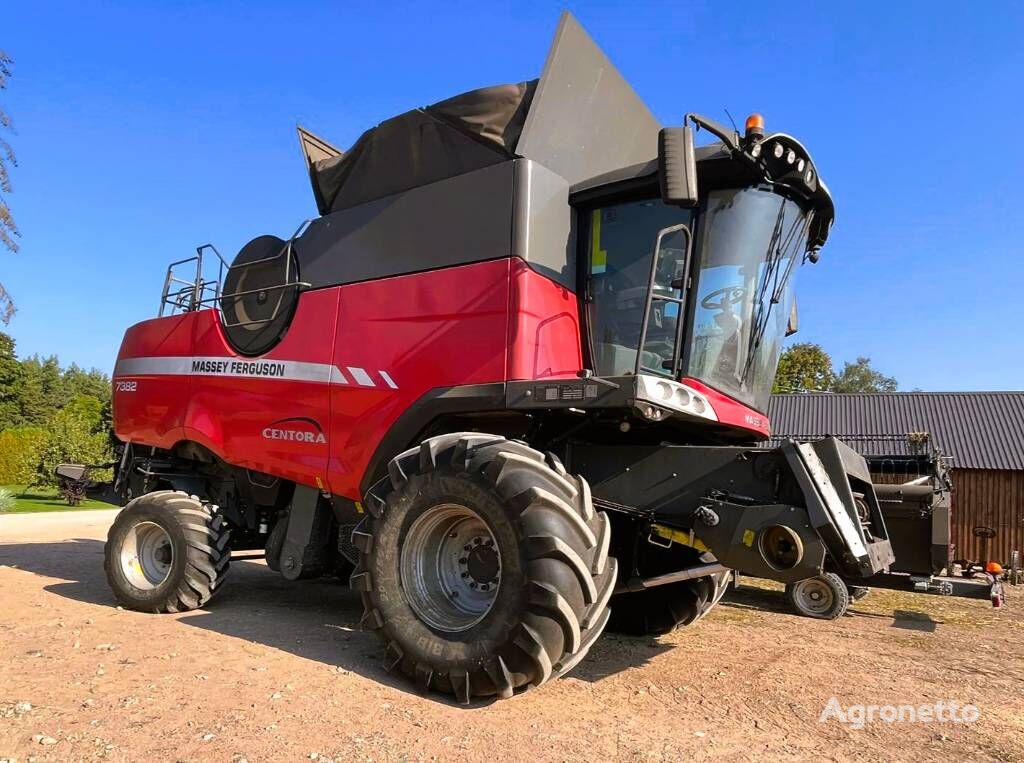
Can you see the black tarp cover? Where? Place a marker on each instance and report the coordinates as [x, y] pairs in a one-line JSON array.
[[457, 135]]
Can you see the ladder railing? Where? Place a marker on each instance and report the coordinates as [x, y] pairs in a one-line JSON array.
[[183, 295]]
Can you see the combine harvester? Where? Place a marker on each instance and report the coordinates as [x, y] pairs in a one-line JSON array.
[[511, 378]]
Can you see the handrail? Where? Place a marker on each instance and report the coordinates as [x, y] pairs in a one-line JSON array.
[[199, 291]]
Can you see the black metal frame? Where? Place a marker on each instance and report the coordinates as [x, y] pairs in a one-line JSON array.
[[727, 496], [196, 290]]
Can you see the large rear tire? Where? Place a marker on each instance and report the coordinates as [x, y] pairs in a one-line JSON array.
[[166, 552], [483, 566]]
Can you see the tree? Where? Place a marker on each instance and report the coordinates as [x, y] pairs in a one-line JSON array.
[[43, 390], [10, 384], [859, 376], [8, 229], [75, 434], [804, 367]]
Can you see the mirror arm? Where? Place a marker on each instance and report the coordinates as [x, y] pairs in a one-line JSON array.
[[728, 136]]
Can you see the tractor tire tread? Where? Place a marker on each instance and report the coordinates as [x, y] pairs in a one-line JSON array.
[[206, 544], [559, 530]]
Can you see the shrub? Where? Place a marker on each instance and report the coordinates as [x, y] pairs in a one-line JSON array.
[[20, 449], [6, 500]]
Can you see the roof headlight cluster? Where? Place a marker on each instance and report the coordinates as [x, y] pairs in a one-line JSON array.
[[780, 156]]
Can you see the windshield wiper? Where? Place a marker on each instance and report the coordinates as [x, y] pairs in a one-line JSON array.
[[775, 277]]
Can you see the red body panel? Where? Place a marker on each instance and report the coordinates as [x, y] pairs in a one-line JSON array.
[[229, 415], [152, 410], [354, 359], [437, 329], [732, 412], [544, 327]]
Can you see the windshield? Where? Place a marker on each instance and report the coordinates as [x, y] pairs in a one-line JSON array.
[[622, 240], [749, 244]]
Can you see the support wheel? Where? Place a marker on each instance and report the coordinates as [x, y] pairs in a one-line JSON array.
[[166, 552], [824, 597], [483, 566]]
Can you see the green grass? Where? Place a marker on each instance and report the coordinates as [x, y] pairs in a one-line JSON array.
[[43, 499]]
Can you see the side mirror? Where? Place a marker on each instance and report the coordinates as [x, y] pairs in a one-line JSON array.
[[677, 166]]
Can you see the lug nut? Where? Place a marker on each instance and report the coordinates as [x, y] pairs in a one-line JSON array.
[[476, 541], [485, 587], [488, 542], [463, 560], [467, 547], [465, 574], [473, 586]]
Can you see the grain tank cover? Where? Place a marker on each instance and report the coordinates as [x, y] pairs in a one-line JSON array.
[[580, 119], [585, 118]]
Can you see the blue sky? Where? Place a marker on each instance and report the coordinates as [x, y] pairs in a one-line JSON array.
[[146, 129]]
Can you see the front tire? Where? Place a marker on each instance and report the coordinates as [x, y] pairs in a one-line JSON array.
[[166, 552], [663, 609], [483, 566]]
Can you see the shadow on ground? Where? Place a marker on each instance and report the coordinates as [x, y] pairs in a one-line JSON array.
[[914, 621], [313, 619], [767, 600], [760, 599]]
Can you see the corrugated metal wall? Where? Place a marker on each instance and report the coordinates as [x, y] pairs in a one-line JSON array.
[[980, 430], [990, 498]]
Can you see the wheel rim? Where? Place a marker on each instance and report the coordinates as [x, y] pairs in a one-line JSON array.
[[147, 555], [814, 596], [450, 568]]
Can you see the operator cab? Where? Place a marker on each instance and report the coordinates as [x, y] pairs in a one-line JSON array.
[[699, 292]]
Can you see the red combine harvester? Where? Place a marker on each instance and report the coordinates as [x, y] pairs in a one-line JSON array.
[[510, 382]]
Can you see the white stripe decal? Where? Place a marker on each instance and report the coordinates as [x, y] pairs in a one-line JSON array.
[[388, 380], [361, 376], [289, 370]]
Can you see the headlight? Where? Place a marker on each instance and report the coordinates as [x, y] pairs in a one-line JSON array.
[[654, 395]]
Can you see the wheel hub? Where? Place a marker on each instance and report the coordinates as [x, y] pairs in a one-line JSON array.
[[814, 595], [146, 555], [481, 562], [450, 568]]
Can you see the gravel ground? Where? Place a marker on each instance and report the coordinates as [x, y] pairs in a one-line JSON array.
[[278, 672]]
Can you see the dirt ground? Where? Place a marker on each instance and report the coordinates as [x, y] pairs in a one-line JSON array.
[[278, 671]]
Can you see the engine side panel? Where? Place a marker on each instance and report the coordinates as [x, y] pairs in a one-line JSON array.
[[408, 335], [354, 359], [272, 413]]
